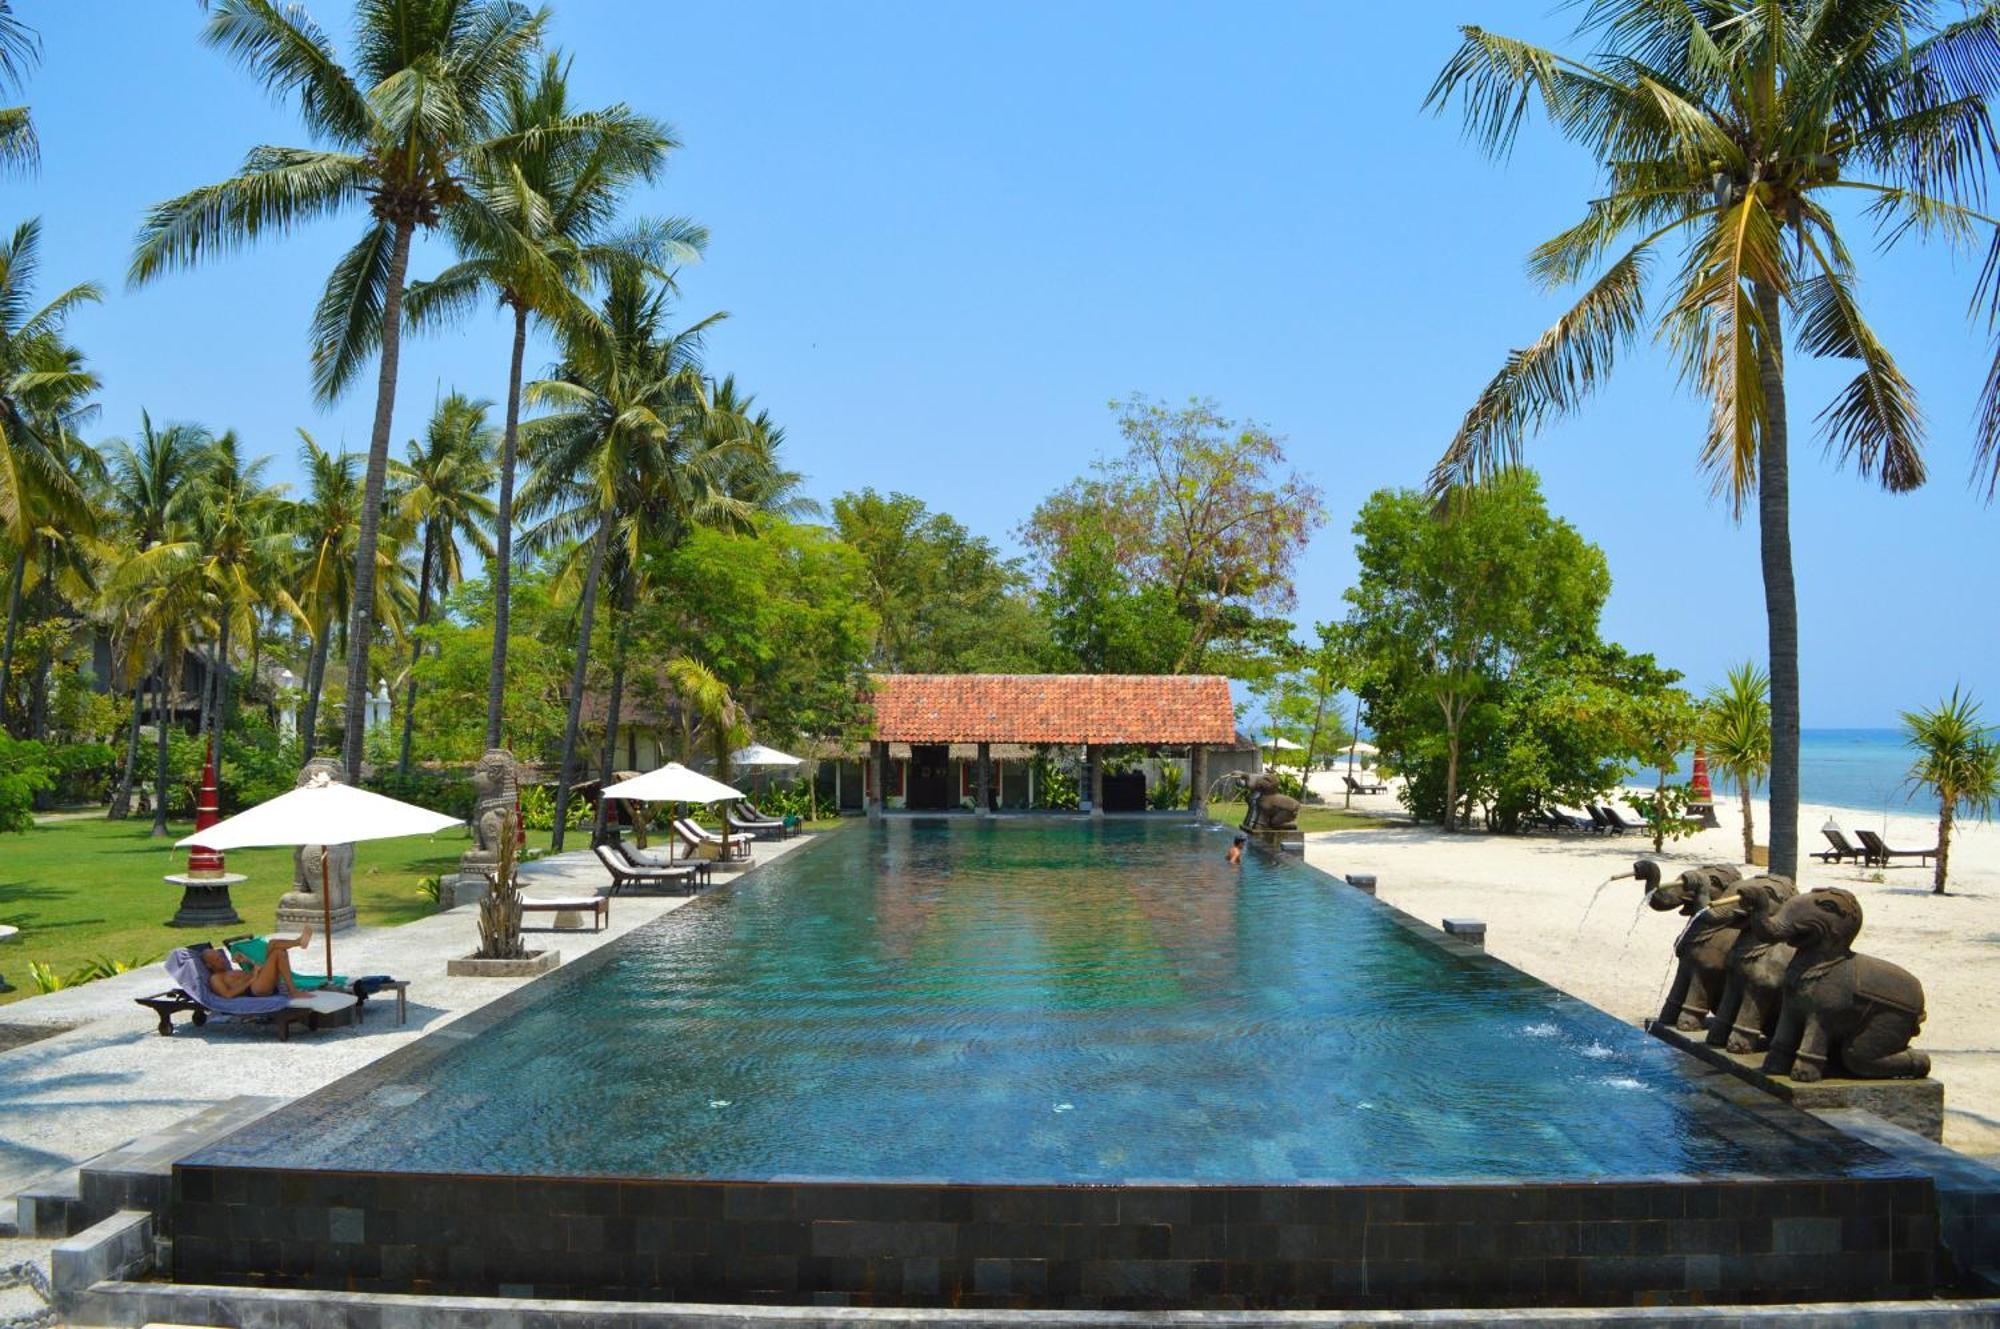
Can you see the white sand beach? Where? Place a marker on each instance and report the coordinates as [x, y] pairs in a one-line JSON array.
[[1535, 894]]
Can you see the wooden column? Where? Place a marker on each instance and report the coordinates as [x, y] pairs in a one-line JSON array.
[[985, 783], [878, 790], [1094, 765], [1198, 781]]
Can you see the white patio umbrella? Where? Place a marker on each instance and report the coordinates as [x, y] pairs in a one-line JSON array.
[[758, 755], [672, 783], [323, 813]]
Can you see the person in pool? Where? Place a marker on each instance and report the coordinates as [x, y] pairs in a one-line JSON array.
[[267, 979], [1236, 850]]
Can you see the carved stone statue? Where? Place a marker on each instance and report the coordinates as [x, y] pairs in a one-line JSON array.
[[1754, 991], [1845, 1011], [314, 864], [1268, 809], [1704, 944], [496, 794]]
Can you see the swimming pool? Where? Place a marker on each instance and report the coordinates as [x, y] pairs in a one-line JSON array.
[[960, 1003]]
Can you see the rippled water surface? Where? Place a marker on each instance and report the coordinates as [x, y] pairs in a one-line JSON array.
[[1034, 1001]]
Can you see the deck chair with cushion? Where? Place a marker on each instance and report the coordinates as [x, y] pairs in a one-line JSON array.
[[625, 871], [1355, 786], [707, 844], [1601, 820], [1879, 853], [1619, 823], [751, 813], [745, 820], [194, 997], [1842, 849]]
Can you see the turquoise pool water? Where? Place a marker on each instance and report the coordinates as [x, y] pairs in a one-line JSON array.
[[1027, 1001]]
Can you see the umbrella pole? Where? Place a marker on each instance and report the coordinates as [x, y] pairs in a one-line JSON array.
[[326, 906]]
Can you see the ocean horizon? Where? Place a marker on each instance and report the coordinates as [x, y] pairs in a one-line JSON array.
[[1866, 770]]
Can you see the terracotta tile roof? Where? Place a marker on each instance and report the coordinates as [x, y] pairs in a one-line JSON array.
[[1054, 708]]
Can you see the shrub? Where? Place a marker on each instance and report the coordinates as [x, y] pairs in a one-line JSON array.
[[1169, 791], [1055, 787], [81, 772], [450, 794], [24, 772], [538, 809]]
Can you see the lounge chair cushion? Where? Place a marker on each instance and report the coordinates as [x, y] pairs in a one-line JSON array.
[[187, 971]]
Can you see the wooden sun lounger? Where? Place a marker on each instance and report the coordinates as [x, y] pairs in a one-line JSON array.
[[708, 844], [624, 872], [597, 906], [1879, 853], [1364, 787], [1618, 823], [1842, 850]]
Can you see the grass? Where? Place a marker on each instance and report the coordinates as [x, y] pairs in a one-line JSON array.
[[1312, 818], [86, 889]]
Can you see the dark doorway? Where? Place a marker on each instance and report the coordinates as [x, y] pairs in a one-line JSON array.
[[1125, 792], [930, 779]]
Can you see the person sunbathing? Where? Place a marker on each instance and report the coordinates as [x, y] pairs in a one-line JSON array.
[[267, 979]]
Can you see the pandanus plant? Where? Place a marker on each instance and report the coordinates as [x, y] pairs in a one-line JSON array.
[[500, 911]]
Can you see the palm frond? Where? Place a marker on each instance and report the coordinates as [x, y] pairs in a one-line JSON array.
[[347, 324], [277, 190], [1874, 420]]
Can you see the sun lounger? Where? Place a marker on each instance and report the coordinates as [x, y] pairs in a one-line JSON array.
[[755, 816], [1602, 820], [754, 829], [1879, 853], [249, 950], [1364, 787], [626, 872], [707, 844], [597, 906], [196, 998], [1842, 850], [1619, 824]]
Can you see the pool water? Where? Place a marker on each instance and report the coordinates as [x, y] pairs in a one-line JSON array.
[[1037, 1001]]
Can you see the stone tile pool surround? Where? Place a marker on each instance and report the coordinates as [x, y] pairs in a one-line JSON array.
[[1792, 1210]]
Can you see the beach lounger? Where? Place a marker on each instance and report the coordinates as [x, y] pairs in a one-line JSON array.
[[707, 844], [1842, 850], [1618, 823], [755, 815], [625, 871], [1602, 820], [753, 829], [1879, 853], [194, 997], [1364, 787]]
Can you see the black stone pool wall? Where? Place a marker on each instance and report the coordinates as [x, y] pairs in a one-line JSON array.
[[1134, 1246]]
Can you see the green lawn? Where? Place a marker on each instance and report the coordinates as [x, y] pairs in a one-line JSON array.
[[1312, 818], [84, 889]]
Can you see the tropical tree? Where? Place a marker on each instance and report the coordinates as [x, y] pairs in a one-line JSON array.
[[1958, 760], [20, 51], [1736, 731], [709, 712], [629, 394], [43, 389], [1730, 130], [407, 125], [442, 492], [147, 496], [534, 231], [325, 524]]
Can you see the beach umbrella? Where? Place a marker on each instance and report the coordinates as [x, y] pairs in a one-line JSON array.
[[672, 783], [1285, 745], [321, 812], [757, 757]]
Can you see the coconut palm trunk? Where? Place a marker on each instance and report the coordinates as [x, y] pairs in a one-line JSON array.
[[1946, 810], [315, 684], [121, 797], [620, 643], [14, 581], [361, 615], [416, 649], [220, 720], [1749, 817], [1781, 601], [503, 539], [586, 614], [162, 718]]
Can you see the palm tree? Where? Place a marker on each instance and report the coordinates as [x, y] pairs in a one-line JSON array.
[[42, 386], [534, 233], [64, 558], [150, 482], [1736, 730], [20, 51], [1958, 759], [1731, 129], [443, 493], [708, 710], [409, 124], [325, 523], [628, 395]]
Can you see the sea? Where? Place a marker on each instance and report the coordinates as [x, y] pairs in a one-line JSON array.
[[1866, 770]]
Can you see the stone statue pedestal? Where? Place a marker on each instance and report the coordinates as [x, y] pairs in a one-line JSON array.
[[297, 908], [302, 904], [1915, 1105], [1292, 841], [205, 901]]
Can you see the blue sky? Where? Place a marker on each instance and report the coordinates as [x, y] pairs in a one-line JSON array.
[[948, 234]]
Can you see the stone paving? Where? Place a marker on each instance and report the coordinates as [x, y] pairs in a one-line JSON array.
[[102, 1075]]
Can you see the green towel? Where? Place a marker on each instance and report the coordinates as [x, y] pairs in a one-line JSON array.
[[255, 950]]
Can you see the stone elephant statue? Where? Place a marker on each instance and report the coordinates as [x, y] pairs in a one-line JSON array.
[[1704, 944], [1854, 1011], [1268, 809], [1754, 991]]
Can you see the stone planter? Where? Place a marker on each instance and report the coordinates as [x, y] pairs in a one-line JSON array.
[[535, 962]]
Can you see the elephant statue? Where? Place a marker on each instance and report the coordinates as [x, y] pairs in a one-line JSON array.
[[1754, 991], [1268, 809], [1854, 1011], [1704, 944]]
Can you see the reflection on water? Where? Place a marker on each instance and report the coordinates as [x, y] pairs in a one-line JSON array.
[[1038, 1001]]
